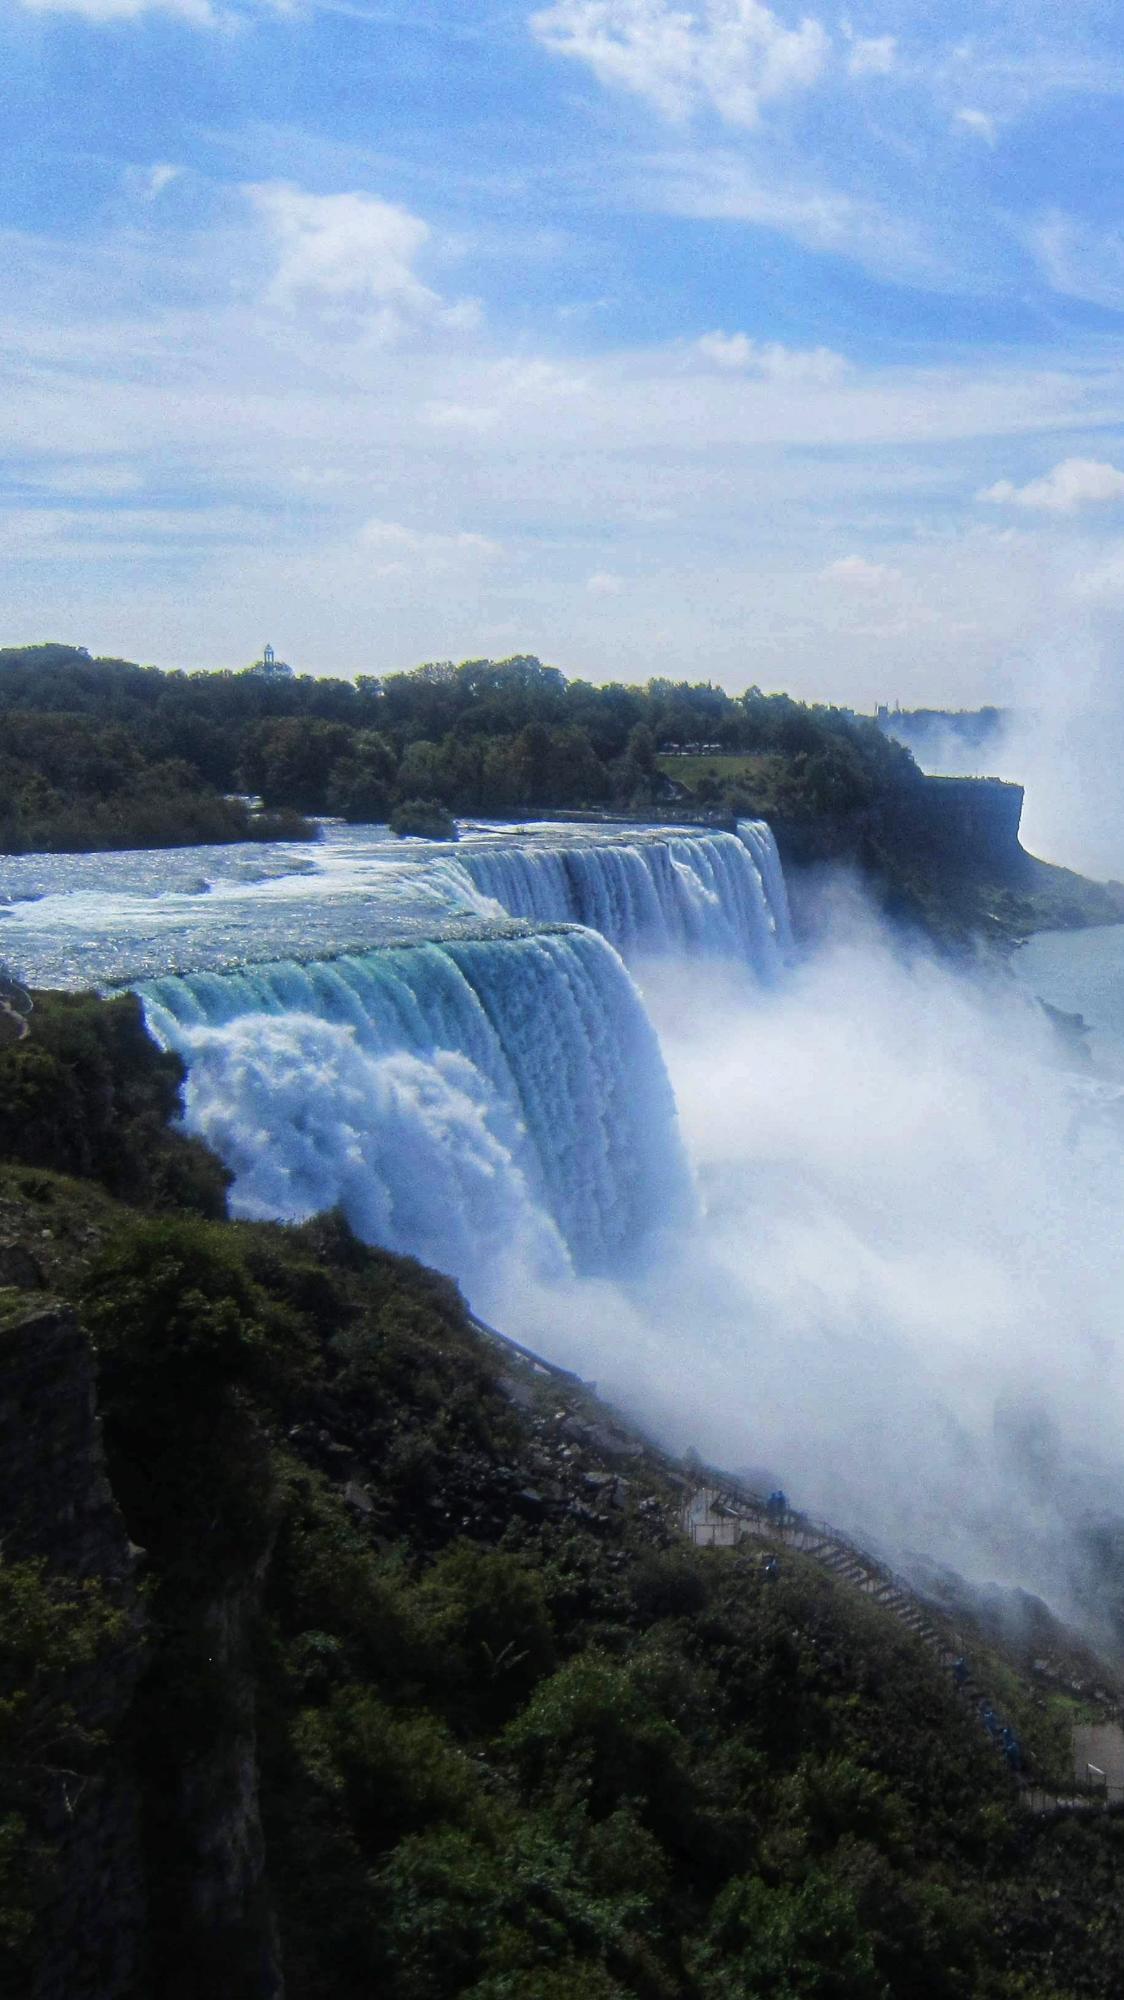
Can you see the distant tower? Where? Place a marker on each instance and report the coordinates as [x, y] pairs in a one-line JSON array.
[[270, 667]]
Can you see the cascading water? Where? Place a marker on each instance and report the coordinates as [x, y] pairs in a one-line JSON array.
[[368, 1023], [757, 836], [471, 1102], [704, 894]]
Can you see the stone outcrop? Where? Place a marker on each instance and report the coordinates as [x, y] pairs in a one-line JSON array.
[[967, 825], [99, 1924], [57, 1507], [972, 823], [228, 1918]]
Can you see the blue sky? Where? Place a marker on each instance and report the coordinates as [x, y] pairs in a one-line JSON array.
[[696, 337]]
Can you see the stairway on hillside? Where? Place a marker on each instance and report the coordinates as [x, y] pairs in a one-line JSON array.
[[724, 1513]]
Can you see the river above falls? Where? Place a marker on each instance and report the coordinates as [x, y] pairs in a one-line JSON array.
[[107, 920]]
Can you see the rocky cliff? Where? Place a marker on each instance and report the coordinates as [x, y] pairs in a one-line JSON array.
[[971, 823], [78, 1791]]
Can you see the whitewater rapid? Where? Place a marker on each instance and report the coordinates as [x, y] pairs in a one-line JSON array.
[[464, 1102], [494, 1103], [112, 920], [697, 894], [837, 1217]]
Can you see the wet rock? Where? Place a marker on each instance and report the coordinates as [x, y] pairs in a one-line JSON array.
[[358, 1499], [19, 1268]]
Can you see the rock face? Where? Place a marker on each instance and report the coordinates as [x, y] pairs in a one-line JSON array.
[[56, 1504], [973, 823], [102, 1922], [227, 1919], [968, 825]]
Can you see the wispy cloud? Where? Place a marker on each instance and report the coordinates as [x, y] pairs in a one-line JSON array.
[[980, 123], [148, 183], [870, 55], [424, 491], [856, 574], [1080, 261], [726, 56], [396, 548], [199, 13], [715, 184]]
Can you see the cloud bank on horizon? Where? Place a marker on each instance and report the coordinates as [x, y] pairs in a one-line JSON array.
[[682, 337]]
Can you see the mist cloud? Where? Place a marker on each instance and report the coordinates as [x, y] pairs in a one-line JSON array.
[[903, 1297]]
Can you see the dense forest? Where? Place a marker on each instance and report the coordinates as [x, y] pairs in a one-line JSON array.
[[104, 753], [382, 1664]]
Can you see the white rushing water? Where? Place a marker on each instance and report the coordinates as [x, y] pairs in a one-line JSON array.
[[704, 894], [491, 1097], [845, 1217], [484, 1103], [106, 920], [494, 1104]]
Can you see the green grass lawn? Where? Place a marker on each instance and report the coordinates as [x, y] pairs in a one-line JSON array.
[[734, 767]]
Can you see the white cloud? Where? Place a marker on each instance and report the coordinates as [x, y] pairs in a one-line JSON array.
[[856, 573], [1076, 482], [446, 416], [730, 56], [980, 123], [198, 12], [353, 253], [725, 489], [508, 386], [148, 183], [872, 55], [771, 360], [1104, 581], [603, 583], [400, 550]]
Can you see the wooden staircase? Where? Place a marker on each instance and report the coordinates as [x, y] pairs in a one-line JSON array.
[[722, 1513]]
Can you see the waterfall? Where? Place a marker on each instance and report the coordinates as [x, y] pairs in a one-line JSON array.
[[707, 894], [494, 1103], [470, 1102], [757, 836]]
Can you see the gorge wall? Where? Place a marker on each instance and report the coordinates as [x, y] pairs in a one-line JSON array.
[[81, 1801], [963, 826], [972, 823]]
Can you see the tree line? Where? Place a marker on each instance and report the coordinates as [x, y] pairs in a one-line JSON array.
[[102, 753]]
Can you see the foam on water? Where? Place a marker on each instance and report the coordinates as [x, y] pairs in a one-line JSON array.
[[485, 1103], [705, 894], [441, 1040], [114, 919]]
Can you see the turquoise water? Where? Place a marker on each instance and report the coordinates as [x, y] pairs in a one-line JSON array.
[[106, 920], [1082, 972]]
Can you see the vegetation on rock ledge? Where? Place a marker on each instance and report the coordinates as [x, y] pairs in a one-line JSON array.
[[104, 753], [510, 1735]]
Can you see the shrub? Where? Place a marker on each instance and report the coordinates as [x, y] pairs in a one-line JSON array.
[[88, 1092], [423, 819], [486, 1616]]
